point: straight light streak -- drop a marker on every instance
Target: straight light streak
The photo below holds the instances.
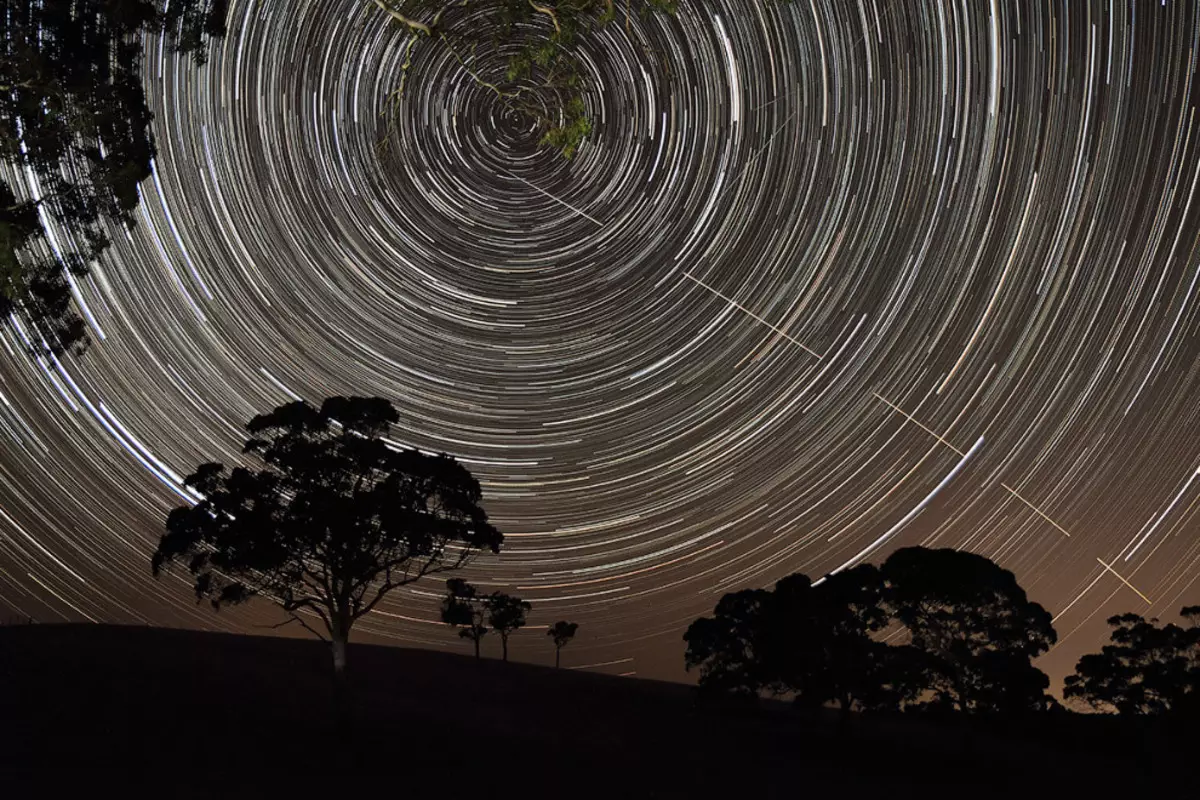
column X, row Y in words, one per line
column 1037, row 510
column 1122, row 580
column 750, row 313
column 558, row 200
column 916, row 422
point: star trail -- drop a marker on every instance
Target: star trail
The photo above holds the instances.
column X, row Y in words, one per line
column 827, row 279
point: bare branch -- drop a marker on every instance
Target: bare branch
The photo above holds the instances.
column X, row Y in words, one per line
column 550, row 13
column 415, row 25
column 308, row 602
column 295, row 618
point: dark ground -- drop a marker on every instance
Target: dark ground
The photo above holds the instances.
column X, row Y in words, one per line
column 141, row 712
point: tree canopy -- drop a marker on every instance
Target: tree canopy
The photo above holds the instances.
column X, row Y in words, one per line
column 975, row 624
column 972, row 634
column 74, row 117
column 333, row 520
column 1147, row 669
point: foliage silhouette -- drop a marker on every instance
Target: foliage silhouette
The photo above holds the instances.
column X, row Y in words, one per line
column 506, row 615
column 975, row 625
column 729, row 647
column 973, row 634
column 562, row 632
column 810, row 642
column 333, row 521
column 467, row 610
column 73, row 113
column 1146, row 669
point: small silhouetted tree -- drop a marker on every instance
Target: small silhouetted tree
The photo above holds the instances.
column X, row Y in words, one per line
column 1146, row 669
column 562, row 632
column 333, row 520
column 506, row 615
column 466, row 609
column 974, row 627
column 73, row 114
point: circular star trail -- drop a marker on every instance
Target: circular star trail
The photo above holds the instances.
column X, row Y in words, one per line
column 827, row 279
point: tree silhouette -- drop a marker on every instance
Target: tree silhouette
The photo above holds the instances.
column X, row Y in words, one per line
column 506, row 615
column 73, row 114
column 973, row 635
column 562, row 632
column 1146, row 669
column 333, row 521
column 844, row 664
column 974, row 625
column 467, row 610
column 810, row 642
column 729, row 646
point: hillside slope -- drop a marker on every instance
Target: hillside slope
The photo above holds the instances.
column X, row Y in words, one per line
column 171, row 713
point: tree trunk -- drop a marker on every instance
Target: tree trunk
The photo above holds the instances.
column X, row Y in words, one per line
column 339, row 655
column 477, row 647
column 557, row 653
column 846, row 703
column 339, row 637
column 504, row 647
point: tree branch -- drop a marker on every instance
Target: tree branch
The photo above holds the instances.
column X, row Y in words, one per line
column 295, row 618
column 413, row 24
column 548, row 12
column 292, row 606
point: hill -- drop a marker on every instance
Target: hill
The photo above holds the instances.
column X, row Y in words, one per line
column 134, row 712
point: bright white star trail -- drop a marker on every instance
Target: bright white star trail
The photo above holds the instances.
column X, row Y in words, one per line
column 665, row 358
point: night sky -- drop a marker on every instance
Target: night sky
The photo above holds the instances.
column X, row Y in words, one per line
column 830, row 278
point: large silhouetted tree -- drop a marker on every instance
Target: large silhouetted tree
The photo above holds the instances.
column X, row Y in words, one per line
column 562, row 632
column 728, row 647
column 972, row 634
column 506, row 615
column 332, row 520
column 466, row 609
column 1146, row 669
column 73, row 115
column 974, row 625
column 850, row 665
column 812, row 642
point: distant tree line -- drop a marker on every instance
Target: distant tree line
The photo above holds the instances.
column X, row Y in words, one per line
column 932, row 631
